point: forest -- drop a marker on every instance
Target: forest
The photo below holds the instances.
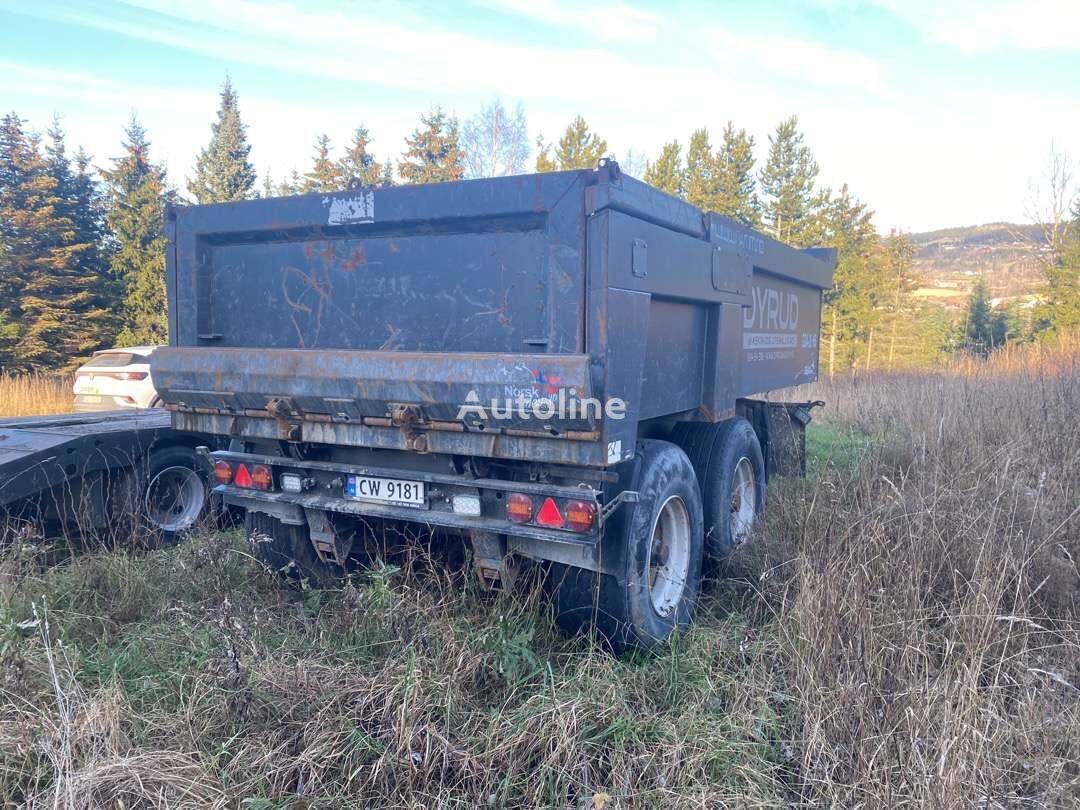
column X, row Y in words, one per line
column 82, row 245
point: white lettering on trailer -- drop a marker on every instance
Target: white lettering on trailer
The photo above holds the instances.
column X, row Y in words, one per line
column 769, row 340
column 347, row 210
column 772, row 309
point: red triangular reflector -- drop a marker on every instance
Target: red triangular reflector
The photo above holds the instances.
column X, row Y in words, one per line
column 242, row 477
column 549, row 515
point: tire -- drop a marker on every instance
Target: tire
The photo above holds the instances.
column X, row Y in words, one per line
column 177, row 491
column 654, row 595
column 731, row 472
column 287, row 551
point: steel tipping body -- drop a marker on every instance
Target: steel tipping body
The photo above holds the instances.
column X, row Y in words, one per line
column 373, row 317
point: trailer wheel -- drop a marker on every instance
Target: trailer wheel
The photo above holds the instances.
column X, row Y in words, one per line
column 730, row 469
column 662, row 562
column 287, row 551
column 176, row 492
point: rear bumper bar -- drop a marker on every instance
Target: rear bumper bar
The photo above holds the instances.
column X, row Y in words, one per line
column 326, row 493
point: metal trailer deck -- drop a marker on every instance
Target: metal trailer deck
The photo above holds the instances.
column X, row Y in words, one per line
column 55, row 465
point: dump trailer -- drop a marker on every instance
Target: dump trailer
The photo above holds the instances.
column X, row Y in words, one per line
column 555, row 367
column 101, row 472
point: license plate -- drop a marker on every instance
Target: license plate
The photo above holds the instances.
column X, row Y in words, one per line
column 90, row 389
column 386, row 490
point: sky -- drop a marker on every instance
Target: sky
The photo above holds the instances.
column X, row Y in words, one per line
column 936, row 113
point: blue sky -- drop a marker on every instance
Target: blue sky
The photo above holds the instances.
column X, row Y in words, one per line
column 934, row 113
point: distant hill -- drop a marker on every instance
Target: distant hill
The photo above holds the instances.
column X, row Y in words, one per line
column 1006, row 255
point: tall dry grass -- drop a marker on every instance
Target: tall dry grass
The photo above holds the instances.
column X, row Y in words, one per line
column 34, row 394
column 902, row 633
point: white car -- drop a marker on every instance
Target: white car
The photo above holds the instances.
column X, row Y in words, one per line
column 116, row 378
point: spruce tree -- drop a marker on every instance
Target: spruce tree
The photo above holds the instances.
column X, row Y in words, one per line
column 792, row 205
column 71, row 308
column 849, row 317
column 268, row 188
column 901, row 282
column 136, row 194
column 289, row 185
column 667, row 173
column 324, row 174
column 25, row 214
column 700, row 180
column 386, row 176
column 733, row 169
column 434, row 154
column 358, row 163
column 979, row 320
column 223, row 172
column 1059, row 311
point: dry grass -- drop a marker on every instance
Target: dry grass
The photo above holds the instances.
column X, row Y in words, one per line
column 904, row 632
column 34, row 394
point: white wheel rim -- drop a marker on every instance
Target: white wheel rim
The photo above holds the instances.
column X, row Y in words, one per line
column 668, row 561
column 174, row 499
column 743, row 500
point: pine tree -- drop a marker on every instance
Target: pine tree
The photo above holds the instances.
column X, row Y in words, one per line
column 667, row 173
column 358, row 163
column 324, row 174
column 222, row 170
column 136, row 194
column 700, row 181
column 544, row 160
column 433, row 154
column 496, row 142
column 578, row 148
column 792, row 205
column 268, row 188
column 736, row 188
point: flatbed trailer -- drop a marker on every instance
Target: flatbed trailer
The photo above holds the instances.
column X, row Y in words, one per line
column 77, row 471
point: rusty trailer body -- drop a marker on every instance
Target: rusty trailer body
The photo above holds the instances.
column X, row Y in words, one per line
column 380, row 329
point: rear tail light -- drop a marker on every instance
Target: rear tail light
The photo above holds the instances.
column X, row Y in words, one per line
column 222, row 472
column 262, row 477
column 132, row 375
column 519, row 508
column 549, row 515
column 580, row 515
column 242, row 478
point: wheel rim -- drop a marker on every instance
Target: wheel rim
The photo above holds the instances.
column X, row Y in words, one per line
column 743, row 500
column 669, row 556
column 174, row 498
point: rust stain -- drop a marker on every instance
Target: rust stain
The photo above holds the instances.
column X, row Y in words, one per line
column 356, row 259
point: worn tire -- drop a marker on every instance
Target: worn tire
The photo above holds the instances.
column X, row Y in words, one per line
column 287, row 551
column 622, row 609
column 177, row 491
column 715, row 451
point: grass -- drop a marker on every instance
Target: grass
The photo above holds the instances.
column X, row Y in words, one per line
column 902, row 632
column 34, row 394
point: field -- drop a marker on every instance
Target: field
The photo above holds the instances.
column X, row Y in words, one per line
column 902, row 631
column 33, row 394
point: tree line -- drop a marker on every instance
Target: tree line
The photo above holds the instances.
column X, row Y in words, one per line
column 82, row 247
